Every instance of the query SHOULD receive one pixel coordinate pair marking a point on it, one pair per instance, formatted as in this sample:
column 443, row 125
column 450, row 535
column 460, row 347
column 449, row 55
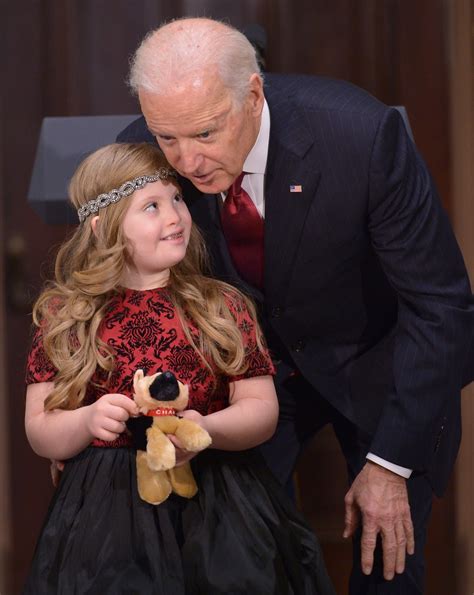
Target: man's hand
column 380, row 498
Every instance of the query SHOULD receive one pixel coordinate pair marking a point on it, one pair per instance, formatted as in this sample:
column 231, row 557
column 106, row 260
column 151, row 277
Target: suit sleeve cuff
column 403, row 471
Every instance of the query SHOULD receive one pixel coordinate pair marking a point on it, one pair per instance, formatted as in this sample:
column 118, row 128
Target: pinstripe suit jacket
column 365, row 286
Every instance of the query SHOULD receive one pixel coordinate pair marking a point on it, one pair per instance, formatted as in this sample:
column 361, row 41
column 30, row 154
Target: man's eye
column 205, row 134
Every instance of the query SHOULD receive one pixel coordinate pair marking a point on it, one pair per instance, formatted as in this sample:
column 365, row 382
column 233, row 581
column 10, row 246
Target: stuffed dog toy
column 159, row 398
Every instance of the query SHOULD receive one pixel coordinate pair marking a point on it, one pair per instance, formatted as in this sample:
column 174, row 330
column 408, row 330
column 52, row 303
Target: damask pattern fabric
column 239, row 514
column 143, row 330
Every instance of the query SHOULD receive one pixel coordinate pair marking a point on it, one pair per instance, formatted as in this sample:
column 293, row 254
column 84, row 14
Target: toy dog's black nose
column 164, row 387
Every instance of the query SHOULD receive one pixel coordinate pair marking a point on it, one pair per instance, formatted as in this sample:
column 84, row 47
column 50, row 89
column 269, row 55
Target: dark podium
column 63, row 143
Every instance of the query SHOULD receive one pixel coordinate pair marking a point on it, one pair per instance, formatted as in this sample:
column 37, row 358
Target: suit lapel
column 286, row 211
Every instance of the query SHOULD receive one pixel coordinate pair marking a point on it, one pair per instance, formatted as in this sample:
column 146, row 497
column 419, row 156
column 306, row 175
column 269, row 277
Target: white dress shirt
column 253, row 183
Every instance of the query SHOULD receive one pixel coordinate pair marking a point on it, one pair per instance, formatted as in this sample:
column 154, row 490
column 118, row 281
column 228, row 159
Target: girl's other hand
column 182, row 455
column 105, row 419
column 194, row 416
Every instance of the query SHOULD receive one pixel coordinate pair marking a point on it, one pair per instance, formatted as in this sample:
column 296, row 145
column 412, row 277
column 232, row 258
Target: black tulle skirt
column 238, row 535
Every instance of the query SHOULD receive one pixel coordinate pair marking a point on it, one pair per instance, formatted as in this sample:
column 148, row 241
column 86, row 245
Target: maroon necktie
column 243, row 230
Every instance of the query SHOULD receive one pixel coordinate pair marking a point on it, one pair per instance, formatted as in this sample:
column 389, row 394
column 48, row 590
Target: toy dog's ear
column 137, row 378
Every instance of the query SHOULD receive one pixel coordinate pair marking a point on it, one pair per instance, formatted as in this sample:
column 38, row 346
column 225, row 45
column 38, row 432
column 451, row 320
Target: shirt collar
column 256, row 161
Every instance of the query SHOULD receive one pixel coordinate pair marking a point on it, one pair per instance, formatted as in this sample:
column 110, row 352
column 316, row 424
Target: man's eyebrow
column 154, row 133
column 214, row 123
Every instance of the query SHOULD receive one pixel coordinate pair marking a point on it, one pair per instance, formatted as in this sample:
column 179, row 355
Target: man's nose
column 190, row 158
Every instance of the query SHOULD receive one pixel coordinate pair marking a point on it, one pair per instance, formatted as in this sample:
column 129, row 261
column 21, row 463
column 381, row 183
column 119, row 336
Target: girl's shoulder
column 237, row 303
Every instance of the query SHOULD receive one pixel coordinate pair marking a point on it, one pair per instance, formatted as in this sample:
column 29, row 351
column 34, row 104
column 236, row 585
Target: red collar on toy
column 161, row 411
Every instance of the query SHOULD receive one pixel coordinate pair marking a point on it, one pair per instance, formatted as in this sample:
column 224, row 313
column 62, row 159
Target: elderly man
column 314, row 200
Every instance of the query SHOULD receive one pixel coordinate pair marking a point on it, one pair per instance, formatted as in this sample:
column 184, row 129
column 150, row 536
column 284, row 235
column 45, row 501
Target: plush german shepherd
column 159, row 398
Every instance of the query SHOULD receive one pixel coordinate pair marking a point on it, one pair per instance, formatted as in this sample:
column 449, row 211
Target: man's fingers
column 401, row 547
column 368, row 543
column 409, row 534
column 390, row 553
column 351, row 516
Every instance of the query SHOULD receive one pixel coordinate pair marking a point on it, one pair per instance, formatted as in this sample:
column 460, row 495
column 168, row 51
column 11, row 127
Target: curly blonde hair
column 88, row 275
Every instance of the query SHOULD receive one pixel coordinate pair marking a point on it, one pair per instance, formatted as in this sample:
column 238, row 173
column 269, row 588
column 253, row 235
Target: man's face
column 204, row 134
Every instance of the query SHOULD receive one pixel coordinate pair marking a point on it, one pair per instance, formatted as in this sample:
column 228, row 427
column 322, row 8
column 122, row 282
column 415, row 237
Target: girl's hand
column 194, row 416
column 105, row 419
column 182, row 455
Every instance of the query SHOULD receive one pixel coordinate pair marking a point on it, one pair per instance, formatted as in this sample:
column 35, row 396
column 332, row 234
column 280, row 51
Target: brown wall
column 461, row 58
column 70, row 58
column 5, row 537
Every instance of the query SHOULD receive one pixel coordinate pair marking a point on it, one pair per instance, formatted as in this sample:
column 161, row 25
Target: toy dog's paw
column 154, row 487
column 192, row 436
column 161, row 453
column 182, row 481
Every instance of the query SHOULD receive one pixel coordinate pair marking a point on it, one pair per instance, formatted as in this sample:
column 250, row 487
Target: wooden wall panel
column 53, row 74
column 396, row 50
column 88, row 49
column 70, row 58
column 25, row 245
column 461, row 60
column 5, row 459
column 423, row 83
column 331, row 38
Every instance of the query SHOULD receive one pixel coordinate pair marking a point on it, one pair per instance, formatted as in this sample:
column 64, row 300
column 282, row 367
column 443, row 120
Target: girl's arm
column 60, row 434
column 249, row 420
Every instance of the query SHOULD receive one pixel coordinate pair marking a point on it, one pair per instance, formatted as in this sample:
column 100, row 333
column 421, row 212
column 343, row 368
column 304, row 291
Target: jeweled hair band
column 104, row 200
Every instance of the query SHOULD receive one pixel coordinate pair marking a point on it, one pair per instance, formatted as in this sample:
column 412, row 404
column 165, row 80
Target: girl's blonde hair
column 88, row 275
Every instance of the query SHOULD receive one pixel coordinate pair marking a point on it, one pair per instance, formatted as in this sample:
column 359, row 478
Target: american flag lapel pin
column 296, row 188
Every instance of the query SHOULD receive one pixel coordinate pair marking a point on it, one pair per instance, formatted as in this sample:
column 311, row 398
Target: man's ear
column 256, row 95
column 94, row 223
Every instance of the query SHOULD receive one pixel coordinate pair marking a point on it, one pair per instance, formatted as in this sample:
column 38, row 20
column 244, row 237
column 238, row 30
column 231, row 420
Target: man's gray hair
column 191, row 47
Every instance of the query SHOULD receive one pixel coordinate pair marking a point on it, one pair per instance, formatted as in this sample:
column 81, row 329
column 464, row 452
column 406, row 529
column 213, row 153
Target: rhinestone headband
column 104, row 200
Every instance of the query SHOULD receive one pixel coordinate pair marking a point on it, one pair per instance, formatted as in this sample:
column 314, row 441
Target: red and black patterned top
column 144, row 331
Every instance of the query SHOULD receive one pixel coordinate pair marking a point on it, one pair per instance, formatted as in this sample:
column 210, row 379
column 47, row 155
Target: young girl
column 129, row 293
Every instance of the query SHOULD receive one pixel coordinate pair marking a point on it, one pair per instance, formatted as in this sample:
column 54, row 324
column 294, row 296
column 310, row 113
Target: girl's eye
column 178, row 197
column 153, row 206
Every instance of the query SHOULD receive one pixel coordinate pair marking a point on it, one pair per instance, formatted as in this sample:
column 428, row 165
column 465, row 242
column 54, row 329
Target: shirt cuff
column 403, row 471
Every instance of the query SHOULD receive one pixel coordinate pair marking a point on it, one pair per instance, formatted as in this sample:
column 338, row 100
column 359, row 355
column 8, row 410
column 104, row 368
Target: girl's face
column 157, row 226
